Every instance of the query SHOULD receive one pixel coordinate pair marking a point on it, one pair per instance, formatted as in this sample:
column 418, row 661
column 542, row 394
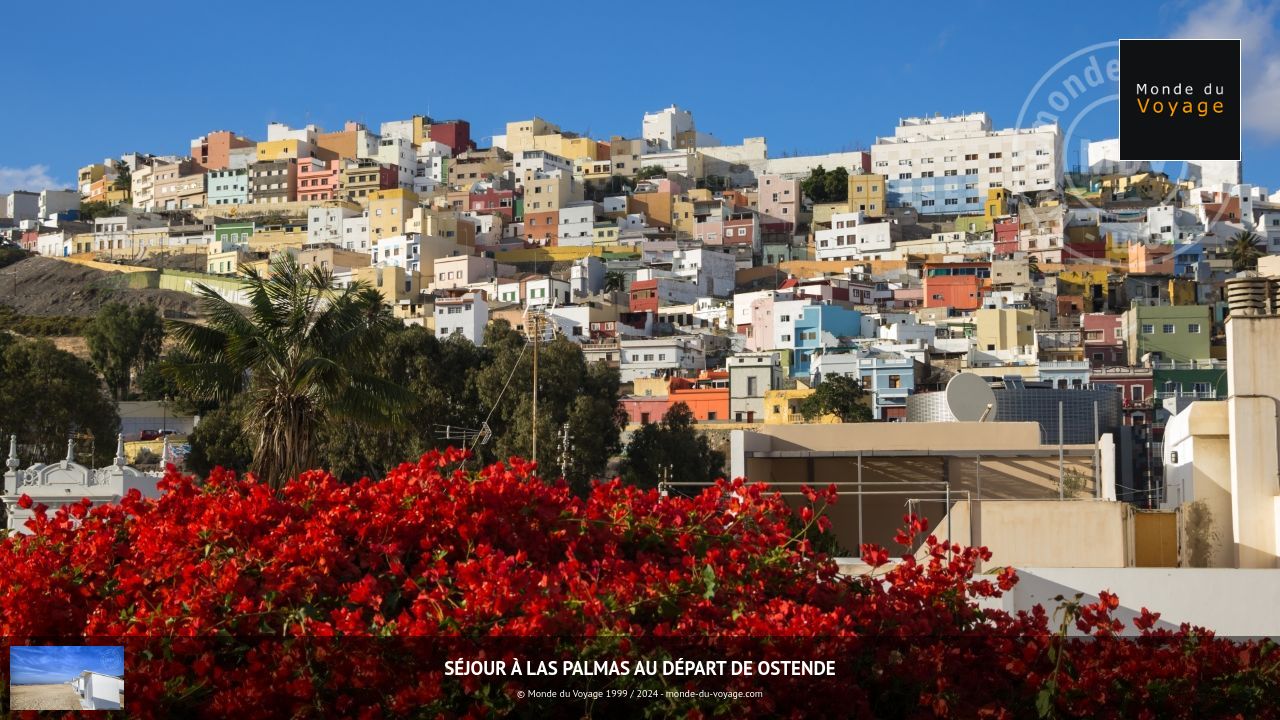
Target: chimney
column 1251, row 294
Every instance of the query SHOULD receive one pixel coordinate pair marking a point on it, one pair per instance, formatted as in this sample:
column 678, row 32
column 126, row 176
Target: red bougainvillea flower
column 335, row 600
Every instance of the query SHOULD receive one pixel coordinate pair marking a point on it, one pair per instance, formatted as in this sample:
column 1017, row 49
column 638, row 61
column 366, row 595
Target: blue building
column 822, row 326
column 946, row 195
column 888, row 378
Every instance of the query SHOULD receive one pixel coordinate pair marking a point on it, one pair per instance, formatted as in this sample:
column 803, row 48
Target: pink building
column 1151, row 259
column 1104, row 339
column 317, row 180
column 779, row 201
column 760, row 332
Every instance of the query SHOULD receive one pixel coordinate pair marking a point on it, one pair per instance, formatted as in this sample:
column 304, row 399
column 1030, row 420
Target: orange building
column 1152, row 259
column 213, row 151
column 542, row 228
column 956, row 285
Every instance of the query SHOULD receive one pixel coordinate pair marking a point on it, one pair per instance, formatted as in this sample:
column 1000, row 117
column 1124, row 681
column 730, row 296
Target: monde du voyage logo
column 1180, row 100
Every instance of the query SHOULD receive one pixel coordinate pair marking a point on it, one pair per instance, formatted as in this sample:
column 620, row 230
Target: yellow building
column 274, row 238
column 1148, row 186
column 390, row 212
column 997, row 204
column 395, row 284
column 283, row 149
column 782, row 407
column 1006, row 328
column 88, row 175
column 867, row 194
column 605, row 234
column 1078, row 280
column 521, row 134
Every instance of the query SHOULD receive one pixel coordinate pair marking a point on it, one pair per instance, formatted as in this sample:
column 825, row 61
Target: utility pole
column 564, row 451
column 534, row 317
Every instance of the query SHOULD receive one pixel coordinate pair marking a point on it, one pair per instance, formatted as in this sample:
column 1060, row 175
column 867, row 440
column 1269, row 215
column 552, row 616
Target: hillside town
column 1089, row 297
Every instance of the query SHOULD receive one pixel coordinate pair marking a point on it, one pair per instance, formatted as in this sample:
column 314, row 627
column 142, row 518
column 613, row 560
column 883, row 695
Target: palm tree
column 1244, row 249
column 302, row 352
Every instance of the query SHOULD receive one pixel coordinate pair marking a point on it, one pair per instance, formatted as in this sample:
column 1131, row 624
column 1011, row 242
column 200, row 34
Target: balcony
column 1210, row 394
column 1189, row 365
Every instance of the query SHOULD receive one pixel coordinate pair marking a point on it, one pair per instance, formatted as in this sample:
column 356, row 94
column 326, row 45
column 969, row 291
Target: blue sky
column 87, row 80
column 58, row 663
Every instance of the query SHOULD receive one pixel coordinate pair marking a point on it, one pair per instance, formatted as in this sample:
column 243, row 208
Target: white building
column 713, row 271
column 465, row 315
column 851, row 237
column 113, row 233
column 403, row 251
column 53, row 202
column 946, row 165
column 664, row 128
column 23, row 205
column 751, row 375
column 1104, row 159
column 798, row 167
column 324, row 223
column 355, row 232
column 98, row 691
column 461, row 271
column 66, row 482
column 654, row 357
column 401, row 153
column 577, row 224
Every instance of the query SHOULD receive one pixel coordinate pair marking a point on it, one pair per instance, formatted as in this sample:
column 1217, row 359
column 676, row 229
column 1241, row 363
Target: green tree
column 124, row 340
column 438, row 375
column 1244, row 249
column 823, row 187
column 90, row 211
column 124, row 177
column 651, row 171
column 220, row 441
column 614, row 281
column 838, row 395
column 304, row 354
column 671, row 449
column 585, row 397
column 46, row 394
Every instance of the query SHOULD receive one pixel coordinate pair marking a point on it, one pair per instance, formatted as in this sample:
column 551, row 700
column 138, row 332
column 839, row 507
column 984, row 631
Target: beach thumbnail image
column 66, row 677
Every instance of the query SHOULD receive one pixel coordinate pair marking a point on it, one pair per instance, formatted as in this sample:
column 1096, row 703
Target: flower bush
column 333, row 600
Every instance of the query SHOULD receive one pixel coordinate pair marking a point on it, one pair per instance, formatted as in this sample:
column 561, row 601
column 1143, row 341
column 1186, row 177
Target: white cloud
column 34, row 178
column 1254, row 24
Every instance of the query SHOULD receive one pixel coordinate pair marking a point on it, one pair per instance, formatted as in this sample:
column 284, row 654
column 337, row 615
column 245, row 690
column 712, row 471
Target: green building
column 232, row 234
column 1168, row 332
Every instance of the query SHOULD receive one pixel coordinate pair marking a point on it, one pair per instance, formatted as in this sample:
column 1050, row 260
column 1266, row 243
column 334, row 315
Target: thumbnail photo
column 66, row 677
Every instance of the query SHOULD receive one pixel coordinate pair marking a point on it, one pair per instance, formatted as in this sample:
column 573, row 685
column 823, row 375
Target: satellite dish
column 970, row 398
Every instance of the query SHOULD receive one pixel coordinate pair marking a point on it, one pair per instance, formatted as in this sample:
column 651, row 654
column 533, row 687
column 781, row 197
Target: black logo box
column 1186, row 68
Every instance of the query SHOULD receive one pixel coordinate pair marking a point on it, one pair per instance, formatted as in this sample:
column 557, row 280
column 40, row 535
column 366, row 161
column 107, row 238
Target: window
column 1136, row 392
column 993, row 156
column 895, row 381
column 711, row 415
column 1202, row 389
column 995, row 169
column 973, row 156
column 904, row 176
column 1167, row 328
column 949, row 173
column 926, row 203
column 971, row 171
column 1148, row 328
column 927, row 174
column 952, row 201
column 1193, row 328
column 1119, row 332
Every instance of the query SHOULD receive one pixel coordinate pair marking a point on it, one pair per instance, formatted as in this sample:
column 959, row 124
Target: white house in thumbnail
column 66, row 482
column 98, row 691
column 465, row 314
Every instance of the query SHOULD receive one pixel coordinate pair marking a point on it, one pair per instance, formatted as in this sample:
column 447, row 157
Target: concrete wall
column 1045, row 533
column 1253, row 374
column 1180, row 595
column 1200, row 482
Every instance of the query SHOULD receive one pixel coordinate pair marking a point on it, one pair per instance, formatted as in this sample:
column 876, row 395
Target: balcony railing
column 1210, row 394
column 1189, row 365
